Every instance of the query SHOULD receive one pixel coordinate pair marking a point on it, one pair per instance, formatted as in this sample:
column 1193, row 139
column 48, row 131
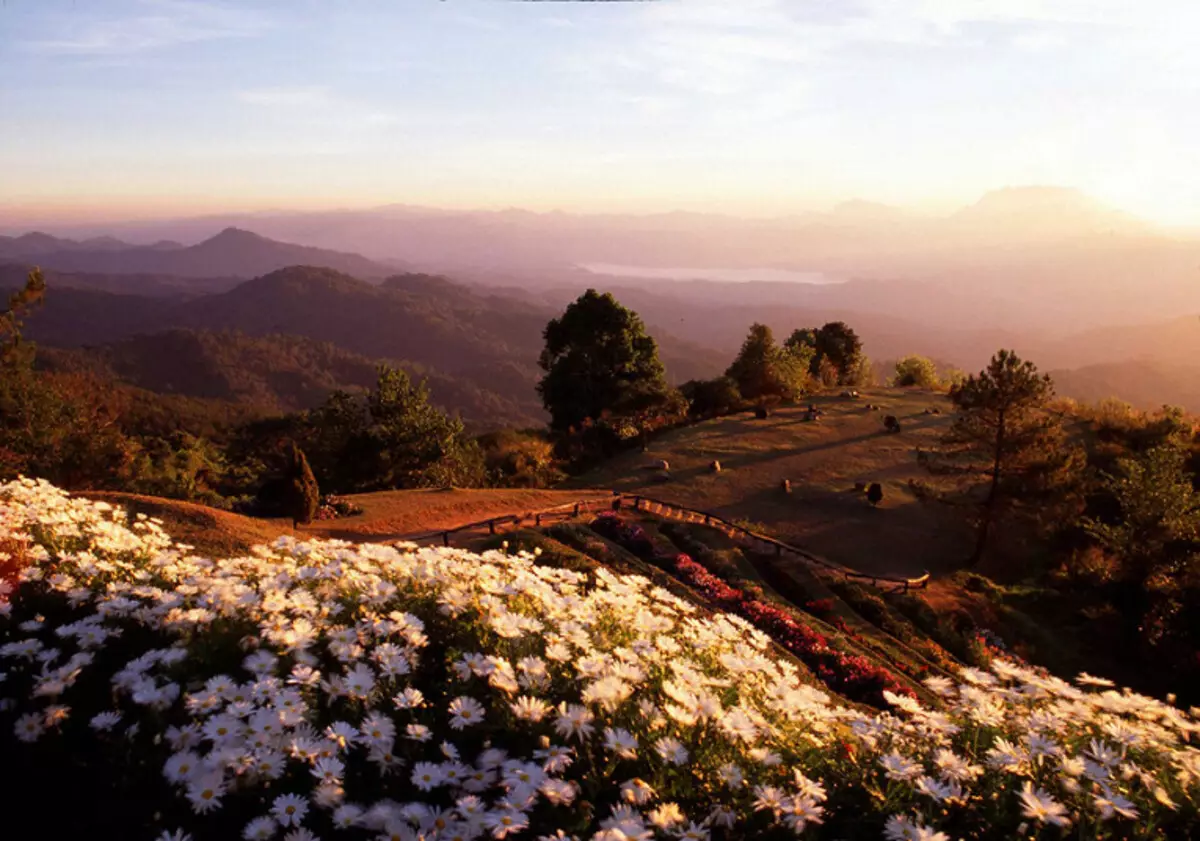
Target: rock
column 762, row 412
column 875, row 493
column 662, row 464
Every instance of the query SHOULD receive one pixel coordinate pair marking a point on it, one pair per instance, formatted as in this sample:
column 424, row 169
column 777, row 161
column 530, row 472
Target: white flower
column 1040, row 806
column 105, row 721
column 621, row 742
column 259, row 829
column 465, row 712
column 289, row 809
column 671, row 750
column 899, row 767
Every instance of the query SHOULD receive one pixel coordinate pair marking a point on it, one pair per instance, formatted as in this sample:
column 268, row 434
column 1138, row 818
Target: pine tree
column 1003, row 417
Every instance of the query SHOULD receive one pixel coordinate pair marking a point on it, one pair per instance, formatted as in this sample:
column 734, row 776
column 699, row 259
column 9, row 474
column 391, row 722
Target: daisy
column 464, row 712
column 621, row 742
column 259, row 829
column 1037, row 804
column 289, row 809
column 105, row 721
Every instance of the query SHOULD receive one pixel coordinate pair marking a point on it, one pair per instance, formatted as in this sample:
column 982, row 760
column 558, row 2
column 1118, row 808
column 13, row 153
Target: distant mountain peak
column 234, row 236
column 1037, row 195
column 1049, row 210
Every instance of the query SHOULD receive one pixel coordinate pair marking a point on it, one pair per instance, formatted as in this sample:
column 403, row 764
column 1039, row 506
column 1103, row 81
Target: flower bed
column 854, row 676
column 329, row 690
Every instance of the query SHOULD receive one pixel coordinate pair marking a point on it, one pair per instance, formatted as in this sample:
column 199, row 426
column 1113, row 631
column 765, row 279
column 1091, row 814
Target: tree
column 840, row 346
column 1159, row 512
column 765, row 372
column 917, row 371
column 410, row 443
column 19, row 303
column 832, row 354
column 599, row 361
column 1002, row 417
column 303, row 495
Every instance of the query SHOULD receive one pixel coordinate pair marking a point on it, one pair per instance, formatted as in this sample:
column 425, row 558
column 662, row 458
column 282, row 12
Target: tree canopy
column 599, row 362
column 764, row 371
column 918, row 371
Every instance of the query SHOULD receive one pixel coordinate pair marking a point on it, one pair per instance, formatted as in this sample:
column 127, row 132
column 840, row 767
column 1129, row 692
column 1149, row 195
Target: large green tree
column 832, row 352
column 600, row 363
column 839, row 347
column 411, row 443
column 1002, row 418
column 764, row 371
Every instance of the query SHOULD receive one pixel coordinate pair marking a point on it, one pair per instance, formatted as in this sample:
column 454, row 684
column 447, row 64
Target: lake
column 725, row 275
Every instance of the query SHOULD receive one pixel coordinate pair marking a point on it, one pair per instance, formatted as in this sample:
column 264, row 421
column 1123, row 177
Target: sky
column 752, row 107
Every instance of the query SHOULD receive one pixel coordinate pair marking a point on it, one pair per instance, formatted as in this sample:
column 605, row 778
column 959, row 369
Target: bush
column 916, row 371
column 517, row 459
column 712, row 398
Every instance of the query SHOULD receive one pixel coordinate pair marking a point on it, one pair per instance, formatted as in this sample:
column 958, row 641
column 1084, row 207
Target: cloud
column 158, row 25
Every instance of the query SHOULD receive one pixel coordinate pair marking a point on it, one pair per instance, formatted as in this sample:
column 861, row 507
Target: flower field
column 333, row 690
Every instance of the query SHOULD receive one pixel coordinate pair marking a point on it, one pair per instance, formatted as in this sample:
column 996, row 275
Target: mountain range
column 284, row 340
column 1020, row 258
column 230, row 253
column 483, row 329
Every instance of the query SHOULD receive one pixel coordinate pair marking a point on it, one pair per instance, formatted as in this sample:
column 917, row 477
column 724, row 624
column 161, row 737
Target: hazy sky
column 746, row 106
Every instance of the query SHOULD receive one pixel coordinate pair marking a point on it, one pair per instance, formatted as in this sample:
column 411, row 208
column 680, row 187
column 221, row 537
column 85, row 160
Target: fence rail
column 671, row 509
column 650, row 505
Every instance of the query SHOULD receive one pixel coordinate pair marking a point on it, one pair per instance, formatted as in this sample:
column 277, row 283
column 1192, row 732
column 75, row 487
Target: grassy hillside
column 823, row 460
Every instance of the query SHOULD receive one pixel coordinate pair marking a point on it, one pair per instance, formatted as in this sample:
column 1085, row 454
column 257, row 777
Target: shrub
column 917, row 371
column 303, row 495
column 710, row 398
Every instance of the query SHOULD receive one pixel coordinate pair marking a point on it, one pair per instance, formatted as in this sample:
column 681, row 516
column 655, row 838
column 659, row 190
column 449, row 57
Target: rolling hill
column 231, row 253
column 1145, row 384
column 306, row 330
column 273, row 373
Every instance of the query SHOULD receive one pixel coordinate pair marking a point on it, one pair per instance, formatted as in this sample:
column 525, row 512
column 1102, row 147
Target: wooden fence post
column 445, row 538
column 576, row 514
column 491, row 526
column 537, row 520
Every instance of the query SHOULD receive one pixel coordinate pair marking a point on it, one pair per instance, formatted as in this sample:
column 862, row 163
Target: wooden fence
column 649, row 505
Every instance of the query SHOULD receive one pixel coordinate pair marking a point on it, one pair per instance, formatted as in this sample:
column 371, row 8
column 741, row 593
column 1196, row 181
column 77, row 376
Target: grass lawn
column 823, row 460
